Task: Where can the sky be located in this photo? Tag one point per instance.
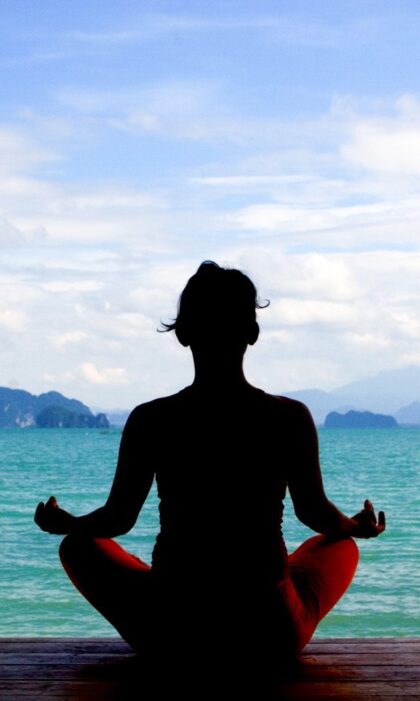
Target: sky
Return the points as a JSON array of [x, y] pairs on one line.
[[138, 139]]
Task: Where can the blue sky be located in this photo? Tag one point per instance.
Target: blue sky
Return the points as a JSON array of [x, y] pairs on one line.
[[139, 138]]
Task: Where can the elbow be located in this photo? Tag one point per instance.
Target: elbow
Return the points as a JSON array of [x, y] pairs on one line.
[[308, 514], [303, 516], [120, 527], [118, 524], [312, 522], [123, 528], [318, 517]]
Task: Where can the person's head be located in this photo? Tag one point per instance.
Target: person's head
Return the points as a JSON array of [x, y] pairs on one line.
[[217, 308]]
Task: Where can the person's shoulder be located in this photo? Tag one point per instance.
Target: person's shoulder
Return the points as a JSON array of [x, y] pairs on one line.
[[153, 407], [286, 402], [292, 407]]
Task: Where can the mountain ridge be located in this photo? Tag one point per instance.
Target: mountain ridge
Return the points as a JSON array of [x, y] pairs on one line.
[[19, 408], [395, 392]]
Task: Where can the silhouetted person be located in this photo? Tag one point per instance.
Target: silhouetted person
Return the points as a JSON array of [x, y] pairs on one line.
[[221, 593]]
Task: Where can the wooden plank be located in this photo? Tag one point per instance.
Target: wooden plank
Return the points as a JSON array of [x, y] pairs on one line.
[[52, 646], [59, 657], [123, 650], [105, 691], [364, 653], [378, 642], [48, 639], [115, 642], [337, 641], [350, 691], [84, 671], [366, 659], [359, 673], [362, 649], [101, 671], [118, 644], [106, 669], [118, 641], [77, 691]]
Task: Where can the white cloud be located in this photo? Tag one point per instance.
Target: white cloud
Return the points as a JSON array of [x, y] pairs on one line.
[[68, 338], [152, 296], [111, 198], [369, 340], [12, 319], [282, 27], [19, 152], [408, 359], [10, 235], [408, 324], [57, 379], [297, 312], [15, 187], [190, 110], [72, 286], [392, 149], [329, 277], [281, 336], [132, 324], [94, 268], [250, 182], [106, 376]]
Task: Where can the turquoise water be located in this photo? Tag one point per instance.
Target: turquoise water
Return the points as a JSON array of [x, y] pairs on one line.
[[77, 466]]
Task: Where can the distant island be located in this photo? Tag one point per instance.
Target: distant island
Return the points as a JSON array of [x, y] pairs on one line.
[[60, 417], [22, 409], [391, 392], [359, 419]]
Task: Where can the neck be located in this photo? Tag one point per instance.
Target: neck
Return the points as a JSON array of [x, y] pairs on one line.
[[217, 370]]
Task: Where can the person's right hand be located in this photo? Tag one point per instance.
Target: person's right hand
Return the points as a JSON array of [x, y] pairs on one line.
[[367, 525], [50, 517]]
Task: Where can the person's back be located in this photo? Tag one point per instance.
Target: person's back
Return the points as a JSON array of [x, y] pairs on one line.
[[221, 480], [221, 461]]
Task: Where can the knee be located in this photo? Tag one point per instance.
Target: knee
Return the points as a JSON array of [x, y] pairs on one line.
[[68, 549], [345, 553], [72, 547], [351, 551], [345, 544]]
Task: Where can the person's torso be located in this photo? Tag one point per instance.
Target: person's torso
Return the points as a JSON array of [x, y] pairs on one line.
[[220, 465]]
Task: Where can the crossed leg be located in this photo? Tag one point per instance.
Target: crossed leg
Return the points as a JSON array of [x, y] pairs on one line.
[[121, 587], [320, 571], [117, 583]]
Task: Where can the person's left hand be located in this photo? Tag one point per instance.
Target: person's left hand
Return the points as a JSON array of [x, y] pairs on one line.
[[368, 526], [52, 518]]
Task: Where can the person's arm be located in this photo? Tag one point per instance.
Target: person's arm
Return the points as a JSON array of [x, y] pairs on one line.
[[131, 485], [306, 488]]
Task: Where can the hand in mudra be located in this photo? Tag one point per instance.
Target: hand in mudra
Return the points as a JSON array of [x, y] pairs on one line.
[[52, 518], [368, 525]]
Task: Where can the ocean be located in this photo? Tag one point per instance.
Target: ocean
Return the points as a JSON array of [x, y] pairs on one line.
[[77, 466]]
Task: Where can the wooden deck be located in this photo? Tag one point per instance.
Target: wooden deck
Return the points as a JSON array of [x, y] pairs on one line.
[[37, 669]]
